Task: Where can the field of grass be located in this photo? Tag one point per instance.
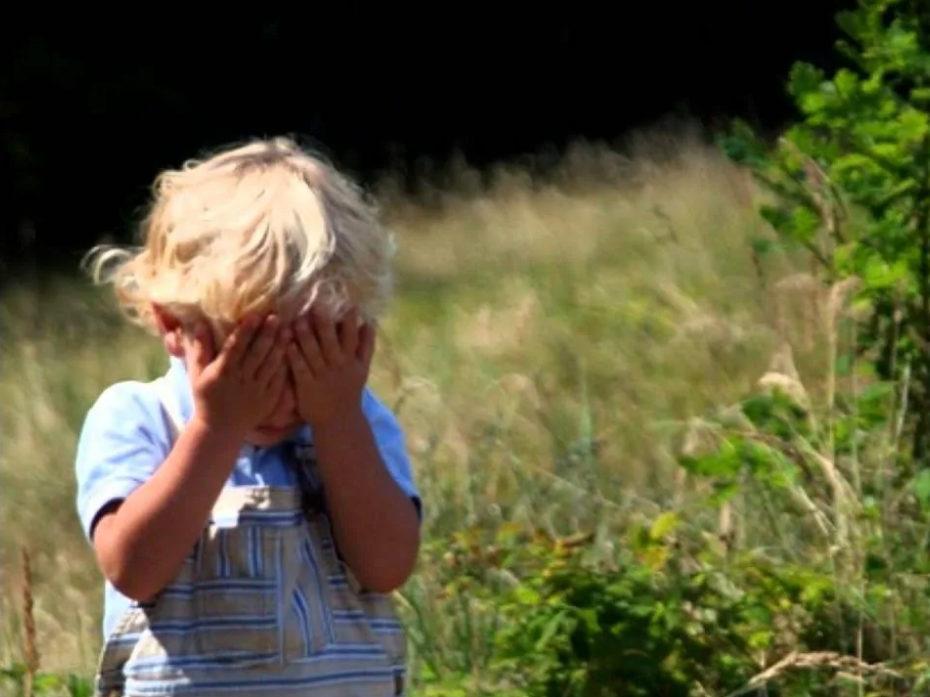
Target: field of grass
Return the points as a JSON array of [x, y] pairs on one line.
[[550, 347]]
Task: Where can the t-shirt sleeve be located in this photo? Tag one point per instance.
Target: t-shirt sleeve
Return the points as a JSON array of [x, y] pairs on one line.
[[122, 442], [391, 442]]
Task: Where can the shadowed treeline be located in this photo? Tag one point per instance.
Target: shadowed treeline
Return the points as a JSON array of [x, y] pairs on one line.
[[89, 112]]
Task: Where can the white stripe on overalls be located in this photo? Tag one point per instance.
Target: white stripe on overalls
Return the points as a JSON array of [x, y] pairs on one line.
[[263, 606]]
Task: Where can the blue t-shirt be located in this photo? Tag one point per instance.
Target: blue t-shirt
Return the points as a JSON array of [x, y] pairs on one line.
[[126, 437]]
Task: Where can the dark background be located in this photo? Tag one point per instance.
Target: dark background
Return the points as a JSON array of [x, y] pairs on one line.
[[91, 109]]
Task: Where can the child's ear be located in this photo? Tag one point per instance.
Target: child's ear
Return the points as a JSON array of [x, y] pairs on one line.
[[170, 330]]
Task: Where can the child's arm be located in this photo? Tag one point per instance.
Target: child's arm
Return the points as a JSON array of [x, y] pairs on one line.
[[368, 483], [376, 523], [142, 541], [144, 511]]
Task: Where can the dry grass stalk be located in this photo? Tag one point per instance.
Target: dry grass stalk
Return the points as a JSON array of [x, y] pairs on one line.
[[817, 660], [844, 495], [805, 294], [30, 644], [725, 525]]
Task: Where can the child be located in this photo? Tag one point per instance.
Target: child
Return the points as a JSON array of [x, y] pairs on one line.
[[253, 508]]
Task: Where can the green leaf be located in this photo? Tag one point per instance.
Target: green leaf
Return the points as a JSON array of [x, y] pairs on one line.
[[805, 223], [913, 125], [804, 78], [723, 463], [550, 629], [526, 595], [760, 639], [46, 682], [847, 83], [881, 274], [663, 525], [814, 102], [853, 23], [920, 95], [743, 146]]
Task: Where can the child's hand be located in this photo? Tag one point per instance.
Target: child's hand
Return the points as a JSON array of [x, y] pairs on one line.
[[330, 366], [236, 388]]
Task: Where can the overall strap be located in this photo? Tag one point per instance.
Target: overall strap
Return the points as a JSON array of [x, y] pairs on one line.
[[312, 494], [303, 459]]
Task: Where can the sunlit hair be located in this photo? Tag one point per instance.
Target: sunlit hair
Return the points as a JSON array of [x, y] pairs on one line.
[[262, 227]]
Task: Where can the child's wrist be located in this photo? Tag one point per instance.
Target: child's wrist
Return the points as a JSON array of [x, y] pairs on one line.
[[216, 434], [340, 423]]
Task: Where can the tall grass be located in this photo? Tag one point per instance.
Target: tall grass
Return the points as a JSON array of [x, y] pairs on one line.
[[549, 340]]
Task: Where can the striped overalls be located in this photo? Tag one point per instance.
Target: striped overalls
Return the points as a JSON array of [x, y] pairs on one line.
[[263, 606]]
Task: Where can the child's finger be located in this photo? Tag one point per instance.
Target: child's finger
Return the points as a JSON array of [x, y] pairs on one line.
[[260, 349], [300, 369], [325, 331], [309, 347], [278, 379], [200, 351], [238, 342], [349, 333], [274, 362]]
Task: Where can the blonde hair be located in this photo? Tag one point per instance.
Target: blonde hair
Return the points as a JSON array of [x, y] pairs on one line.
[[262, 227]]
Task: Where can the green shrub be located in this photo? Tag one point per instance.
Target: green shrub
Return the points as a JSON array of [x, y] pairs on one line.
[[851, 182]]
